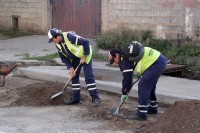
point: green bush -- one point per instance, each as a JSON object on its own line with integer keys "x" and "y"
{"x": 116, "y": 38}
{"x": 186, "y": 53}
{"x": 146, "y": 35}
{"x": 13, "y": 33}
{"x": 159, "y": 44}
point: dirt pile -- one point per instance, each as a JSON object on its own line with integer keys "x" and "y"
{"x": 182, "y": 117}
{"x": 38, "y": 94}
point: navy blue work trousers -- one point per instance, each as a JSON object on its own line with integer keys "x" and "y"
{"x": 147, "y": 84}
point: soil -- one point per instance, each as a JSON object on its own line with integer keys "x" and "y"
{"x": 181, "y": 117}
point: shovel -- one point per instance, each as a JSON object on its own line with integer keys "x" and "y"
{"x": 66, "y": 84}
{"x": 2, "y": 77}
{"x": 116, "y": 111}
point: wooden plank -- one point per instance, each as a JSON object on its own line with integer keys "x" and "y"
{"x": 173, "y": 68}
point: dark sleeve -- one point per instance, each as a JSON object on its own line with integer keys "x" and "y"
{"x": 65, "y": 60}
{"x": 127, "y": 69}
{"x": 78, "y": 40}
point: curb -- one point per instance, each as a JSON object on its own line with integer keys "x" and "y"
{"x": 63, "y": 76}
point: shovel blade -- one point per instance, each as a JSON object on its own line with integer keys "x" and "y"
{"x": 56, "y": 95}
{"x": 115, "y": 112}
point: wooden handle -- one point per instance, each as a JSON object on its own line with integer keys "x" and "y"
{"x": 66, "y": 84}
{"x": 2, "y": 80}
{"x": 17, "y": 64}
{"x": 2, "y": 77}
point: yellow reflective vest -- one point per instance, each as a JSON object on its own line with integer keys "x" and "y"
{"x": 76, "y": 50}
{"x": 149, "y": 57}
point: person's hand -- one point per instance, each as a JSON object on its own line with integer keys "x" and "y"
{"x": 83, "y": 59}
{"x": 72, "y": 72}
{"x": 136, "y": 75}
{"x": 124, "y": 97}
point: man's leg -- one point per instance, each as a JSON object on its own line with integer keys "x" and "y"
{"x": 91, "y": 84}
{"x": 146, "y": 86}
{"x": 75, "y": 98}
{"x": 153, "y": 103}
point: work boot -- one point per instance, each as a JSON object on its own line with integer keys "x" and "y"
{"x": 137, "y": 116}
{"x": 96, "y": 102}
{"x": 75, "y": 98}
{"x": 152, "y": 110}
{"x": 71, "y": 101}
{"x": 95, "y": 97}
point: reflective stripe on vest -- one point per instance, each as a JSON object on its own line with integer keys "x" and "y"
{"x": 75, "y": 49}
{"x": 149, "y": 57}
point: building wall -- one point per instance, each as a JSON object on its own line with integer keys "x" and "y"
{"x": 33, "y": 15}
{"x": 169, "y": 19}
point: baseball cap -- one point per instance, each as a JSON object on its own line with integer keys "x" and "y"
{"x": 52, "y": 33}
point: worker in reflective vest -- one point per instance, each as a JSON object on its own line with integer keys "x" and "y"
{"x": 73, "y": 50}
{"x": 140, "y": 62}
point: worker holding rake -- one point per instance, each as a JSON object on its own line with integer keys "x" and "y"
{"x": 141, "y": 62}
{"x": 75, "y": 50}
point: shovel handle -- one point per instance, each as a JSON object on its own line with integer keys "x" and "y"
{"x": 2, "y": 77}
{"x": 122, "y": 101}
{"x": 132, "y": 86}
{"x": 66, "y": 84}
{"x": 2, "y": 80}
{"x": 13, "y": 67}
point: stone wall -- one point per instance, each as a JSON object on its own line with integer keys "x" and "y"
{"x": 28, "y": 15}
{"x": 169, "y": 19}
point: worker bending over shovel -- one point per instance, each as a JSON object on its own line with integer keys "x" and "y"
{"x": 141, "y": 62}
{"x": 73, "y": 50}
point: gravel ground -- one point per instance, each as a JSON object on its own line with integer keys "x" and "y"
{"x": 26, "y": 107}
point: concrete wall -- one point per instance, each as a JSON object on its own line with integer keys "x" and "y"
{"x": 169, "y": 19}
{"x": 33, "y": 15}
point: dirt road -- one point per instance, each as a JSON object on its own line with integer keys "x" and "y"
{"x": 26, "y": 108}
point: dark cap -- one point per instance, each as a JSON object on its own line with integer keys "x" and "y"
{"x": 53, "y": 33}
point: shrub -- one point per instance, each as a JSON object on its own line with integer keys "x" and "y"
{"x": 186, "y": 53}
{"x": 117, "y": 37}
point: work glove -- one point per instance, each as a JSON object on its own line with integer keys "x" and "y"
{"x": 136, "y": 75}
{"x": 124, "y": 97}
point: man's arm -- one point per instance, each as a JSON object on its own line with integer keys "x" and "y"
{"x": 77, "y": 40}
{"x": 127, "y": 69}
{"x": 65, "y": 60}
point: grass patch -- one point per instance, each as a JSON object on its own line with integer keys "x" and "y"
{"x": 13, "y": 33}
{"x": 25, "y": 54}
{"x": 49, "y": 57}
